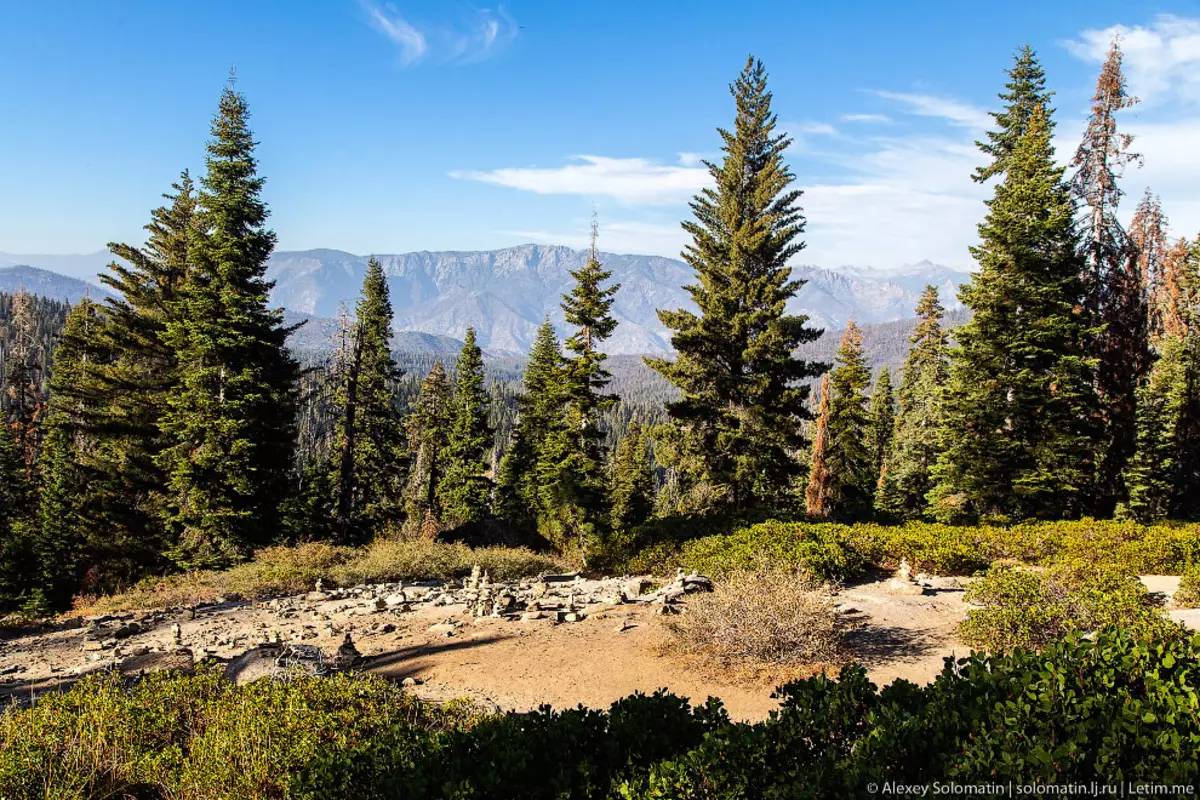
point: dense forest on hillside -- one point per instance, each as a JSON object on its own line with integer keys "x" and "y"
{"x": 170, "y": 427}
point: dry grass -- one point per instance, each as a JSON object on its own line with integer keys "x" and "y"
{"x": 290, "y": 570}
{"x": 764, "y": 615}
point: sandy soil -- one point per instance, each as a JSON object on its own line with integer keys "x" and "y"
{"x": 514, "y": 664}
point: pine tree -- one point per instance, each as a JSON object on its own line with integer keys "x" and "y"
{"x": 1115, "y": 296}
{"x": 848, "y": 454}
{"x": 538, "y": 412}
{"x": 17, "y": 506}
{"x": 1019, "y": 404}
{"x": 1148, "y": 237}
{"x": 1164, "y": 473}
{"x": 571, "y": 467}
{"x": 631, "y": 487}
{"x": 232, "y": 413}
{"x": 23, "y": 380}
{"x": 428, "y": 436}
{"x": 818, "y": 498}
{"x": 464, "y": 493}
{"x": 74, "y": 531}
{"x": 369, "y": 431}
{"x": 744, "y": 391}
{"x": 1163, "y": 477}
{"x": 915, "y": 448}
{"x": 1026, "y": 93}
{"x": 882, "y": 423}
{"x": 125, "y": 383}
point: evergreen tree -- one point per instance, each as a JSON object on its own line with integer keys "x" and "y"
{"x": 915, "y": 448}
{"x": 464, "y": 492}
{"x": 538, "y": 412}
{"x": 1019, "y": 404}
{"x": 848, "y": 457}
{"x": 631, "y": 488}
{"x": 428, "y": 436}
{"x": 571, "y": 467}
{"x": 1148, "y": 237}
{"x": 1179, "y": 292}
{"x": 1115, "y": 296}
{"x": 1026, "y": 92}
{"x": 369, "y": 432}
{"x": 1164, "y": 473}
{"x": 744, "y": 391}
{"x": 231, "y": 415}
{"x": 17, "y": 506}
{"x": 881, "y": 427}
{"x": 818, "y": 497}
{"x": 23, "y": 380}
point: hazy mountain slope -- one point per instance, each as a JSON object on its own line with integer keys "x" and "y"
{"x": 506, "y": 293}
{"x": 49, "y": 284}
{"x": 84, "y": 266}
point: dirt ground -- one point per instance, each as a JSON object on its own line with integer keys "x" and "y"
{"x": 613, "y": 651}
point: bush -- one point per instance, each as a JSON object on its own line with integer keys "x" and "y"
{"x": 1188, "y": 593}
{"x": 1117, "y": 709}
{"x": 1030, "y": 609}
{"x": 842, "y": 552}
{"x": 775, "y": 616}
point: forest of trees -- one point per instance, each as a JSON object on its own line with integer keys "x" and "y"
{"x": 176, "y": 431}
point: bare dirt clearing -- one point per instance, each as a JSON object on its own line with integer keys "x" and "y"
{"x": 514, "y": 660}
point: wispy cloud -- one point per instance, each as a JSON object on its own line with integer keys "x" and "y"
{"x": 478, "y": 35}
{"x": 811, "y": 128}
{"x": 634, "y": 181}
{"x": 953, "y": 111}
{"x": 1162, "y": 59}
{"x": 408, "y": 39}
{"x": 617, "y": 236}
{"x": 876, "y": 119}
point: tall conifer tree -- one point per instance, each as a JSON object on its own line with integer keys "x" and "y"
{"x": 848, "y": 456}
{"x": 369, "y": 432}
{"x": 915, "y": 449}
{"x": 1025, "y": 92}
{"x": 1019, "y": 405}
{"x": 538, "y": 412}
{"x": 882, "y": 424}
{"x": 1114, "y": 292}
{"x": 429, "y": 427}
{"x": 1148, "y": 236}
{"x": 744, "y": 391}
{"x": 464, "y": 492}
{"x": 631, "y": 488}
{"x": 232, "y": 413}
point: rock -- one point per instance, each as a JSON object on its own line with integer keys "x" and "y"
{"x": 347, "y": 655}
{"x": 127, "y": 630}
{"x": 316, "y": 597}
{"x": 569, "y": 616}
{"x": 411, "y": 681}
{"x": 144, "y": 663}
{"x": 904, "y": 583}
{"x": 92, "y": 645}
{"x": 393, "y": 600}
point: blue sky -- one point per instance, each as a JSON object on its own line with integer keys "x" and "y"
{"x": 390, "y": 127}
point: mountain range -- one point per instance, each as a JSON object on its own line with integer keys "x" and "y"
{"x": 506, "y": 293}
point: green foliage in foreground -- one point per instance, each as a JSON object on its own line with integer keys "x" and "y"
{"x": 1119, "y": 708}
{"x": 1023, "y": 608}
{"x": 842, "y": 552}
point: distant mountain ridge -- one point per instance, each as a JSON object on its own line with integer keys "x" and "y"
{"x": 506, "y": 293}
{"x": 50, "y": 284}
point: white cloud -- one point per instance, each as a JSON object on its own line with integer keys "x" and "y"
{"x": 812, "y": 128}
{"x": 693, "y": 159}
{"x": 1161, "y": 60}
{"x": 876, "y": 119}
{"x": 411, "y": 41}
{"x": 953, "y": 111}
{"x": 635, "y": 181}
{"x": 474, "y": 37}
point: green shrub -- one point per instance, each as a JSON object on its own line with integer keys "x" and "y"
{"x": 1188, "y": 593}
{"x": 1029, "y": 609}
{"x": 1117, "y": 709}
